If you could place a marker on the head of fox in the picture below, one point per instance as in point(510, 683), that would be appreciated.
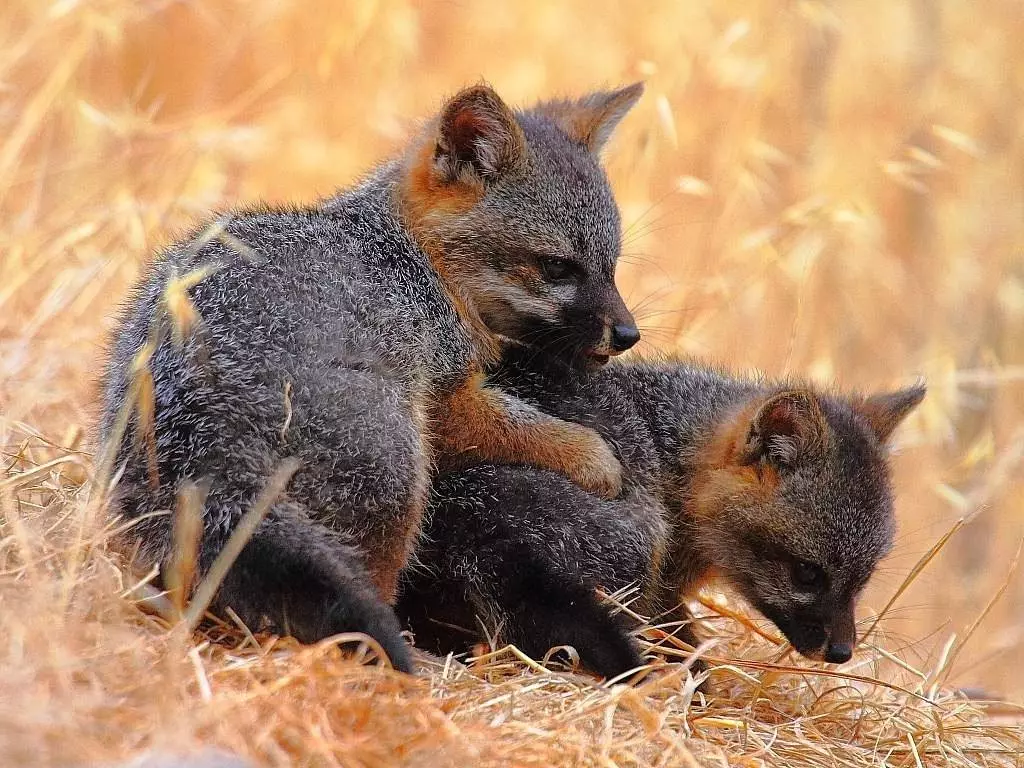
point(797, 510)
point(516, 212)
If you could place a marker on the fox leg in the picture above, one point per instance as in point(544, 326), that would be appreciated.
point(682, 622)
point(681, 575)
point(364, 466)
point(520, 550)
point(328, 556)
point(542, 607)
point(525, 599)
point(479, 423)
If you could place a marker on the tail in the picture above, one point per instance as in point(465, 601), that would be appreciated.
point(308, 581)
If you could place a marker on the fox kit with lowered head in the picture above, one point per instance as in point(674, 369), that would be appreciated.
point(779, 488)
point(353, 335)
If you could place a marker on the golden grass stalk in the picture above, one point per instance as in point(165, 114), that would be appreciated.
point(271, 699)
point(241, 534)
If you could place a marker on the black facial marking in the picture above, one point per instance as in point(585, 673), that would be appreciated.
point(556, 270)
point(808, 576)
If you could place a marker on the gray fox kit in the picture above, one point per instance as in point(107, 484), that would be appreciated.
point(781, 489)
point(353, 335)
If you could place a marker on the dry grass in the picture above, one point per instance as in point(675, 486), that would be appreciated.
point(824, 188)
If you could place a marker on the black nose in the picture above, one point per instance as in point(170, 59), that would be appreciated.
point(838, 653)
point(624, 337)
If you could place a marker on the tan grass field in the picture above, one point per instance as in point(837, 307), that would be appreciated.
point(833, 189)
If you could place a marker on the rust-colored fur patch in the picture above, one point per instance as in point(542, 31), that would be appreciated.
point(392, 547)
point(427, 201)
point(427, 197)
point(723, 470)
point(475, 425)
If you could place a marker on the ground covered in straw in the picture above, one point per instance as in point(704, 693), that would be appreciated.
point(90, 674)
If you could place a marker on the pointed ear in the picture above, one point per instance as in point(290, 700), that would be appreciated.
point(592, 119)
point(885, 411)
point(783, 426)
point(478, 137)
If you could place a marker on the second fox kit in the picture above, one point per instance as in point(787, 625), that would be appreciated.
point(353, 335)
point(781, 489)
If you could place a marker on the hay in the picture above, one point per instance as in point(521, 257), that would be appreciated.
point(817, 188)
point(90, 676)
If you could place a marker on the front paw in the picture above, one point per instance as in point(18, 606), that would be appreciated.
point(596, 468)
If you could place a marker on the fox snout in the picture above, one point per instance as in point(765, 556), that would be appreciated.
point(614, 339)
point(828, 638)
point(838, 653)
point(623, 333)
point(624, 336)
point(842, 636)
point(618, 328)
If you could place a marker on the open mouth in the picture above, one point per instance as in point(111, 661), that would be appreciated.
point(597, 358)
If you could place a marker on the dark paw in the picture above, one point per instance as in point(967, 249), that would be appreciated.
point(602, 643)
point(612, 656)
point(379, 622)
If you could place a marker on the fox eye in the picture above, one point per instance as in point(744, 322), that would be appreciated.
point(808, 576)
point(557, 270)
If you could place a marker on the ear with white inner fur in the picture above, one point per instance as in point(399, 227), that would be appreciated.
point(783, 426)
point(478, 137)
point(886, 410)
point(592, 119)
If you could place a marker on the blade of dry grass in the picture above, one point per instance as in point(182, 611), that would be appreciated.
point(941, 674)
point(919, 566)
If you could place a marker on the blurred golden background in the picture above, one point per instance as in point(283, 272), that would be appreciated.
point(820, 188)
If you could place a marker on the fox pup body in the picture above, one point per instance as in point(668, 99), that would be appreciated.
point(353, 336)
point(779, 488)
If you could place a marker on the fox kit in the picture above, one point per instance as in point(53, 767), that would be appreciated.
point(354, 335)
point(779, 488)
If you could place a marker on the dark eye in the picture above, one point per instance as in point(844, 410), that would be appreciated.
point(557, 270)
point(808, 576)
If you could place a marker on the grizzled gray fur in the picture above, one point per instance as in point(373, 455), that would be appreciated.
point(342, 333)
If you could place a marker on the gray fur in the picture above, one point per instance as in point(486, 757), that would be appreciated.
point(555, 203)
point(833, 504)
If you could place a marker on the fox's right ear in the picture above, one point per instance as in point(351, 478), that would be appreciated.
point(592, 119)
point(885, 411)
point(783, 427)
point(478, 137)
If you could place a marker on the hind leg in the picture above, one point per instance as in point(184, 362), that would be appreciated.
point(509, 590)
point(310, 582)
point(540, 607)
point(523, 549)
point(365, 470)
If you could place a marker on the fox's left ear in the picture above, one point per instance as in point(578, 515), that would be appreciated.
point(591, 120)
point(784, 425)
point(478, 138)
point(885, 411)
